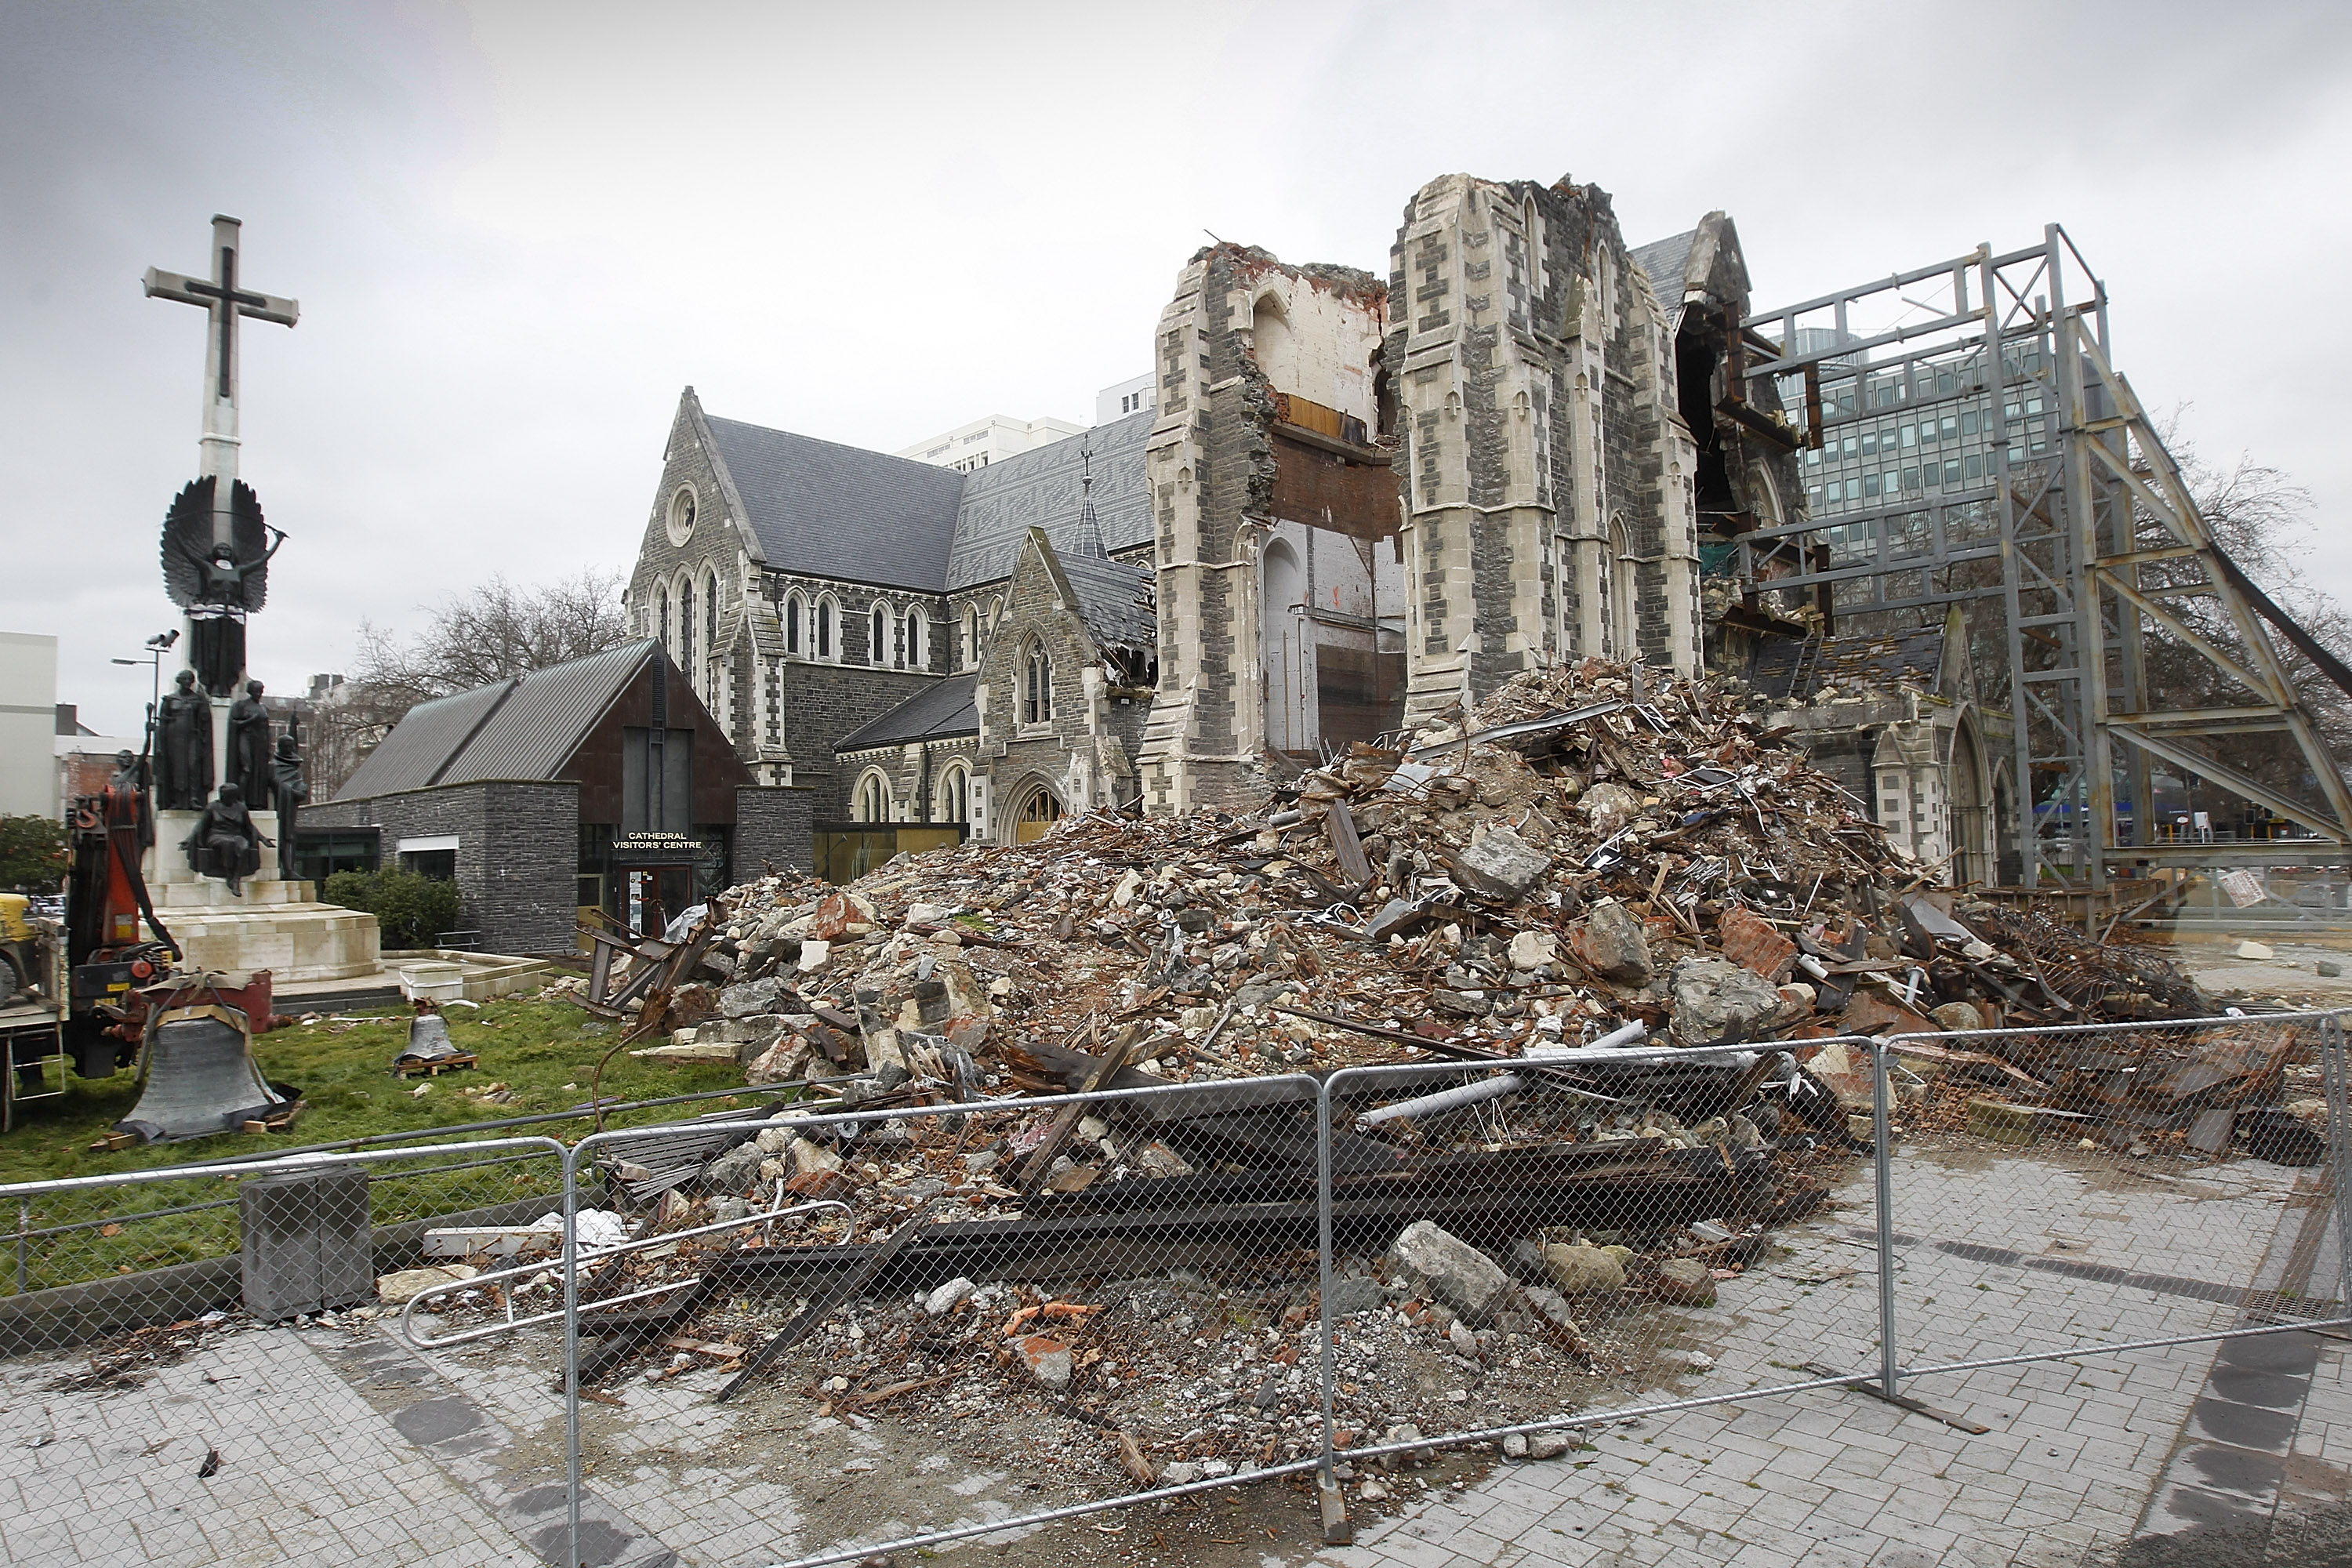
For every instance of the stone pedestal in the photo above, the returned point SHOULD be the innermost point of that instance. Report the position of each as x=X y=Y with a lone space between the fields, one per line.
x=275 y=925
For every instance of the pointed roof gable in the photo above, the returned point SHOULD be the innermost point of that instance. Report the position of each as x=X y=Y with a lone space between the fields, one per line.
x=830 y=511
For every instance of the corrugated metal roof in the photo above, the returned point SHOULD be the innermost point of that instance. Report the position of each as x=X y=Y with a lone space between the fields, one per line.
x=421 y=742
x=524 y=729
x=535 y=730
x=937 y=712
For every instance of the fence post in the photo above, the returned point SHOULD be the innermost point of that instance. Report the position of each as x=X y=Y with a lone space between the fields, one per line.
x=1881 y=1132
x=2334 y=1067
x=572 y=1355
x=1327 y=1483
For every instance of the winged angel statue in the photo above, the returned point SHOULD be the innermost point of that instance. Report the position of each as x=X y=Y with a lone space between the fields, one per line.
x=219 y=584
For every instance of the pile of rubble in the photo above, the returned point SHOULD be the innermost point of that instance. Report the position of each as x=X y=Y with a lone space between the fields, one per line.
x=1597 y=850
x=1590 y=859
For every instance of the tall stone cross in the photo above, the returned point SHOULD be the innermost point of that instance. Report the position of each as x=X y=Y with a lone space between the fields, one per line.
x=224 y=300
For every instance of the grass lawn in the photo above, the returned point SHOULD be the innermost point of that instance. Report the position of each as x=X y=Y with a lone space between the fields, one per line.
x=543 y=1051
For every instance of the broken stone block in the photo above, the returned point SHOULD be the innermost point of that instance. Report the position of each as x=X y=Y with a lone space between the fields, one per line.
x=1502 y=864
x=780 y=1063
x=734 y=1170
x=1715 y=998
x=2326 y=969
x=808 y=1157
x=1048 y=1359
x=1611 y=942
x=1546 y=1445
x=751 y=996
x=1551 y=1305
x=2256 y=950
x=943 y=1300
x=1531 y=950
x=397 y=1289
x=840 y=915
x=1457 y=1273
x=1685 y=1282
x=814 y=956
x=1958 y=1017
x=1352 y=1296
x=1610 y=807
x=1583 y=1268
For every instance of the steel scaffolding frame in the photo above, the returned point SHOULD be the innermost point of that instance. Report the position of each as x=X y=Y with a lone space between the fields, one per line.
x=2096 y=536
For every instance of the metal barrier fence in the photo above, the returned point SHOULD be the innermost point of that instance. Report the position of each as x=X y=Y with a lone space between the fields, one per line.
x=119 y=1279
x=1093 y=1301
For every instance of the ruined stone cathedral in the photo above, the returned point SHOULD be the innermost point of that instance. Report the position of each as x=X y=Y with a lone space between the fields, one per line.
x=1348 y=503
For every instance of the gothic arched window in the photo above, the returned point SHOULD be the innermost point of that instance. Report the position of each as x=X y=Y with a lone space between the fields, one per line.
x=795 y=608
x=878 y=649
x=873 y=801
x=825 y=627
x=1036 y=684
x=917 y=655
x=955 y=794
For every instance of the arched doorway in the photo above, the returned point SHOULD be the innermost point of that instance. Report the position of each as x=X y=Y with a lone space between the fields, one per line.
x=1964 y=790
x=1038 y=813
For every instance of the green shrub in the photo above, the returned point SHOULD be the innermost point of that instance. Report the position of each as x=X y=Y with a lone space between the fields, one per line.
x=412 y=910
x=32 y=854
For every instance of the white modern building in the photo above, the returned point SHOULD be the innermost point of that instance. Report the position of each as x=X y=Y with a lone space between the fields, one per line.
x=1134 y=395
x=28 y=725
x=990 y=440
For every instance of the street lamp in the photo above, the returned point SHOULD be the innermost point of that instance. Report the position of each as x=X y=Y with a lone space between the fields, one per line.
x=157 y=646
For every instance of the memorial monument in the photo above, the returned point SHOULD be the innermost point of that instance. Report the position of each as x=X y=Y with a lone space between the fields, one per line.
x=217 y=772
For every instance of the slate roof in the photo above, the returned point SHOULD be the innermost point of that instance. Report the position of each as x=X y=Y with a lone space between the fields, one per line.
x=1039 y=489
x=832 y=510
x=940 y=711
x=1667 y=261
x=1114 y=599
x=524 y=729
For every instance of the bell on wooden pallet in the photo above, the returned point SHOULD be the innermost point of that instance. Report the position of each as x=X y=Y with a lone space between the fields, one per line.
x=196 y=1071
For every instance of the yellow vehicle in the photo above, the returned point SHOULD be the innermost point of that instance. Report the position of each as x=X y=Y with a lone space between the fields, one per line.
x=23 y=961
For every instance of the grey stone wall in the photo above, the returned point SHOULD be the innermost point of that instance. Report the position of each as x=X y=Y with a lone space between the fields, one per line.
x=772 y=828
x=518 y=853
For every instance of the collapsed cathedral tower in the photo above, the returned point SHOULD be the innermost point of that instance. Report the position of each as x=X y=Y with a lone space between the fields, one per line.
x=1337 y=505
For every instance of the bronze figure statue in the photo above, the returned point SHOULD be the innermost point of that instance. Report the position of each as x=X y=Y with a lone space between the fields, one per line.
x=248 y=744
x=227 y=843
x=184 y=730
x=287 y=792
x=217 y=582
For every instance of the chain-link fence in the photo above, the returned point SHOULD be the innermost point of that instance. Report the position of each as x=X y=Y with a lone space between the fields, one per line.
x=1095 y=1301
x=895 y=1325
x=2112 y=1188
x=150 y=1290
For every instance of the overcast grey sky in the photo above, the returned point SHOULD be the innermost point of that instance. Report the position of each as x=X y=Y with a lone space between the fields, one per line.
x=517 y=230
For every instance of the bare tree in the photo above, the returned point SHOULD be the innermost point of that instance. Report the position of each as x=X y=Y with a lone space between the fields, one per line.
x=493 y=632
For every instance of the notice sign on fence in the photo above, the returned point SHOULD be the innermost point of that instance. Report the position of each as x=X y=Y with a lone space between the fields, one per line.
x=2242 y=888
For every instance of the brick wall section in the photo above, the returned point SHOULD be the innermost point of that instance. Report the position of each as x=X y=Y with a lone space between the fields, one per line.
x=518 y=853
x=772 y=828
